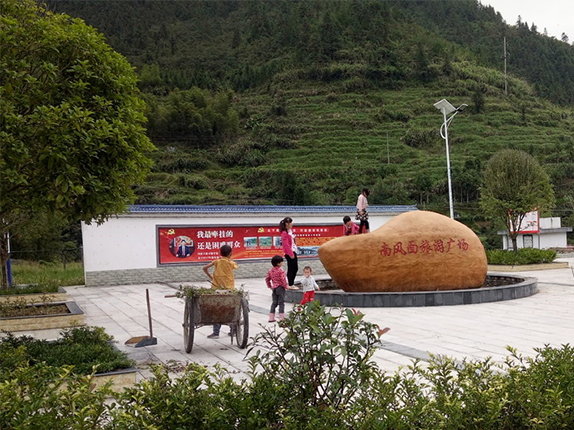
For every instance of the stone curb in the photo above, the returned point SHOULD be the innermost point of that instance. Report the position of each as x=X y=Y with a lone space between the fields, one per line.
x=524 y=287
x=527 y=267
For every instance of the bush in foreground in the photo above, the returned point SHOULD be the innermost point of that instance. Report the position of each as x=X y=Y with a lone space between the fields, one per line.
x=316 y=374
x=84 y=349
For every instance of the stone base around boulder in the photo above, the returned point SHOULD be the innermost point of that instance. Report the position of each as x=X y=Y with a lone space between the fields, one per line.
x=517 y=287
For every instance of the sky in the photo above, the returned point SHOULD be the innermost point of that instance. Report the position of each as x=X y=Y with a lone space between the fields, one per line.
x=557 y=16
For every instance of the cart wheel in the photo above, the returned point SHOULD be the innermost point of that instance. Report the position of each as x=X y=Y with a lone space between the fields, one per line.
x=188 y=325
x=242 y=327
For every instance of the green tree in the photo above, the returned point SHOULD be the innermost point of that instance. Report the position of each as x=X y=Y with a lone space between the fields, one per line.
x=329 y=36
x=478 y=100
x=71 y=121
x=515 y=184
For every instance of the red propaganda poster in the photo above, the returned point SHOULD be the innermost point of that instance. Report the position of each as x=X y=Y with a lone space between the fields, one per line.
x=177 y=245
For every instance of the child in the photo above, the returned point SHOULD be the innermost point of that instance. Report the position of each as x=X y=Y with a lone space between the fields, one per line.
x=277 y=281
x=308 y=285
x=349 y=227
x=222 y=277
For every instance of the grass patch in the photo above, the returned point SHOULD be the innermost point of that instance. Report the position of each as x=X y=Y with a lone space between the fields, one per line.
x=84 y=348
x=40 y=277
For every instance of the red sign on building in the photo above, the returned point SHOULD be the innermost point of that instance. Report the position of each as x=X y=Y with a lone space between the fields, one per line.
x=177 y=245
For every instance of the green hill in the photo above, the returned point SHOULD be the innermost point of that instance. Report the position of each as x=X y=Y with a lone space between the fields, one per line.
x=306 y=102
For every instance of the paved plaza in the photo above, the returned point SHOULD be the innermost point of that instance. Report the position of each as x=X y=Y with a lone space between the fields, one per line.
x=464 y=331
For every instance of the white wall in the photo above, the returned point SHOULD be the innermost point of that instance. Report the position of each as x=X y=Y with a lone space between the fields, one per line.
x=551 y=222
x=553 y=240
x=539 y=241
x=130 y=241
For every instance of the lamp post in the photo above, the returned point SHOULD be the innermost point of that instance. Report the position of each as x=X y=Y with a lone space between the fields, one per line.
x=447 y=109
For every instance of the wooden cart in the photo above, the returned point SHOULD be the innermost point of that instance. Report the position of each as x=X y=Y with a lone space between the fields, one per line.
x=209 y=309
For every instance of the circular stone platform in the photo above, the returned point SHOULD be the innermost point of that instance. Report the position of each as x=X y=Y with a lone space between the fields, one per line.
x=511 y=287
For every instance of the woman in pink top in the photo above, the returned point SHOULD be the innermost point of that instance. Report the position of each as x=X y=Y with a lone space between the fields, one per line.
x=362 y=214
x=289 y=248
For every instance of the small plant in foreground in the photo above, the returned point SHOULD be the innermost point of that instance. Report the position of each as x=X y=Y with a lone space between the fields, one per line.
x=321 y=360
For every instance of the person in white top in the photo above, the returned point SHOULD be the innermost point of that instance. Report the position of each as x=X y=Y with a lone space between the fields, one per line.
x=308 y=285
x=362 y=214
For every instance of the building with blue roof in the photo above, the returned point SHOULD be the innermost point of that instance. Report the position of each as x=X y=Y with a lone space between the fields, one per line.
x=171 y=243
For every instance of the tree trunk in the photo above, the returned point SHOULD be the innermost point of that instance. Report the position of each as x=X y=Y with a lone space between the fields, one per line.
x=4 y=259
x=514 y=245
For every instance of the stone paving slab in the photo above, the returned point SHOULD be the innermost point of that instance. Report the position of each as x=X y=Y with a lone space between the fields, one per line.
x=463 y=332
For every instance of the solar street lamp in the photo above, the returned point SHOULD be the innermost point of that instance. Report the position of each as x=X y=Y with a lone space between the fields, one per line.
x=447 y=109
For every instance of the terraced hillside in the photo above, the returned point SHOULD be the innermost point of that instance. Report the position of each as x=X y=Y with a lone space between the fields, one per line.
x=314 y=142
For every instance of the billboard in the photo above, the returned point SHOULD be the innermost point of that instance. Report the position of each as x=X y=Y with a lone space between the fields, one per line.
x=184 y=245
x=530 y=223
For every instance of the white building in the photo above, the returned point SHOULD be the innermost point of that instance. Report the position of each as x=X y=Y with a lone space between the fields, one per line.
x=171 y=243
x=550 y=234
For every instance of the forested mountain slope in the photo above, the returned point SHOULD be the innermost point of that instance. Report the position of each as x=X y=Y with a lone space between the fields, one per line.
x=305 y=102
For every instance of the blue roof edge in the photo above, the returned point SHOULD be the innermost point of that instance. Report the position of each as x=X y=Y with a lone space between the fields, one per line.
x=263 y=209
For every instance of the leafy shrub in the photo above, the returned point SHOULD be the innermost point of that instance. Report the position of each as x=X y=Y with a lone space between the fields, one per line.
x=280 y=142
x=193 y=181
x=199 y=399
x=84 y=348
x=397 y=116
x=523 y=256
x=420 y=138
x=45 y=398
x=245 y=153
x=315 y=371
x=183 y=164
x=356 y=84
x=324 y=357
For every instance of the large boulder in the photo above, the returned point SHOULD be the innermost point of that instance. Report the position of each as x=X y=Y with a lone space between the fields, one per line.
x=415 y=251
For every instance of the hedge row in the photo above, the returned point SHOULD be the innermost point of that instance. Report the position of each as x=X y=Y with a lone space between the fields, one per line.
x=317 y=373
x=523 y=256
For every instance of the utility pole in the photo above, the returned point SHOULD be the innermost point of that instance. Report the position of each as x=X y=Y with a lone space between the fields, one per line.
x=505 y=81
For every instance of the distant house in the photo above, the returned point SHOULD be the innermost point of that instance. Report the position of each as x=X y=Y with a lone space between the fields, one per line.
x=550 y=234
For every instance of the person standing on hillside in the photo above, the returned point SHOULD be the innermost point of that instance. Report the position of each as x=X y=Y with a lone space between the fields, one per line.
x=362 y=214
x=289 y=249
